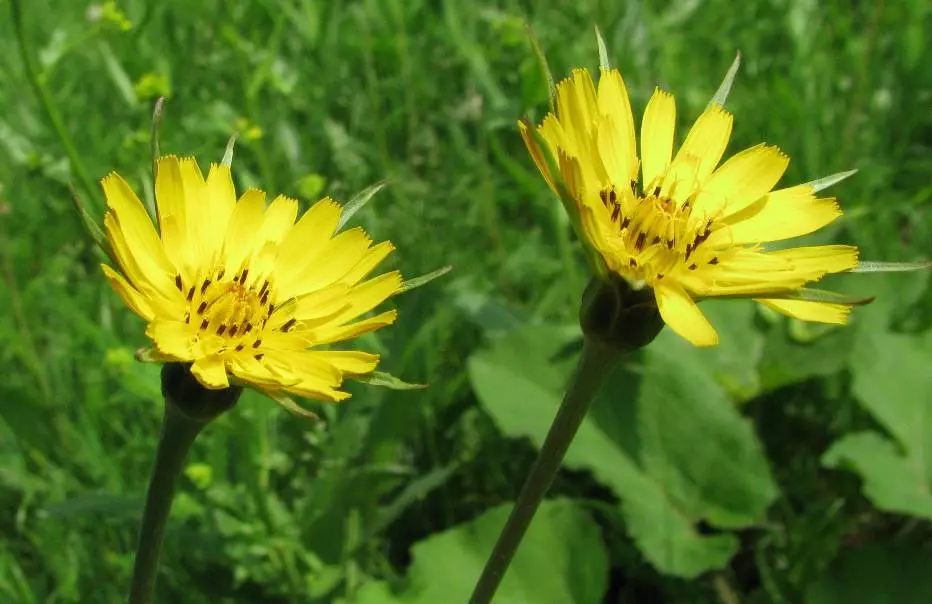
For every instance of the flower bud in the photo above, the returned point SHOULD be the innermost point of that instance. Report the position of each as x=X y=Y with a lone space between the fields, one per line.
x=619 y=316
x=187 y=395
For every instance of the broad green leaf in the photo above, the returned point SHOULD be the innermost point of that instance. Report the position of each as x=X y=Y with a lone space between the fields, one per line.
x=788 y=361
x=892 y=381
x=562 y=559
x=875 y=574
x=689 y=455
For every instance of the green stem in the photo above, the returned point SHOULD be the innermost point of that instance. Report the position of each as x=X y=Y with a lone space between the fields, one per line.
x=594 y=365
x=178 y=433
x=45 y=100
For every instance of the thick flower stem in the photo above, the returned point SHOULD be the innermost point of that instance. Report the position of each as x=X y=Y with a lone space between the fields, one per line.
x=594 y=365
x=178 y=434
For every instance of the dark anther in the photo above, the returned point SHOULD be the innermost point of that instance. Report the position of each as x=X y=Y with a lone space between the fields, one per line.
x=603 y=195
x=265 y=287
x=657 y=191
x=191 y=293
x=257 y=344
x=205 y=285
x=692 y=266
x=242 y=278
x=187 y=317
x=202 y=307
x=233 y=330
x=634 y=186
x=289 y=324
x=615 y=212
x=205 y=323
x=264 y=298
x=714 y=260
x=259 y=356
x=639 y=244
x=625 y=222
x=178 y=283
x=632 y=263
x=659 y=276
x=221 y=273
x=248 y=327
x=220 y=329
x=656 y=239
x=239 y=347
x=612 y=197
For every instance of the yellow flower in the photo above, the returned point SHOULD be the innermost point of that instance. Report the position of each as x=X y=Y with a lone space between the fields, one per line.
x=240 y=289
x=681 y=224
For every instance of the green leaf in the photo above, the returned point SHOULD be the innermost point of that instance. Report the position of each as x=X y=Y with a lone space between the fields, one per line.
x=387 y=380
x=356 y=203
x=416 y=282
x=672 y=446
x=562 y=559
x=287 y=403
x=892 y=381
x=875 y=574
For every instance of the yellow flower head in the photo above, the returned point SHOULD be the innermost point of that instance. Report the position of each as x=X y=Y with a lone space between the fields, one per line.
x=681 y=224
x=237 y=288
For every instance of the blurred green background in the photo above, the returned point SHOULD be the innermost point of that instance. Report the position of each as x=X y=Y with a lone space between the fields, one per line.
x=793 y=463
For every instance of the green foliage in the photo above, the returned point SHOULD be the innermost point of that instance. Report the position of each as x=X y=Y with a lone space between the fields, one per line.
x=789 y=464
x=688 y=457
x=562 y=559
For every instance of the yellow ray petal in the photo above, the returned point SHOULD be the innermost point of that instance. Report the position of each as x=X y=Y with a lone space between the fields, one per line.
x=247 y=215
x=135 y=300
x=706 y=142
x=305 y=241
x=172 y=339
x=657 y=128
x=742 y=180
x=779 y=215
x=576 y=102
x=814 y=261
x=138 y=233
x=309 y=272
x=616 y=138
x=683 y=315
x=373 y=257
x=332 y=333
x=211 y=372
x=348 y=362
x=220 y=200
x=806 y=310
x=367 y=295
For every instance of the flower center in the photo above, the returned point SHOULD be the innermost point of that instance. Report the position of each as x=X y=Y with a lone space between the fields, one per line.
x=655 y=234
x=234 y=311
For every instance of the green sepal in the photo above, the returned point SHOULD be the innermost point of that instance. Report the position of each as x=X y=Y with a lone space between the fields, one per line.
x=721 y=95
x=544 y=67
x=890 y=267
x=92 y=226
x=604 y=63
x=288 y=404
x=356 y=203
x=416 y=282
x=228 y=152
x=383 y=379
